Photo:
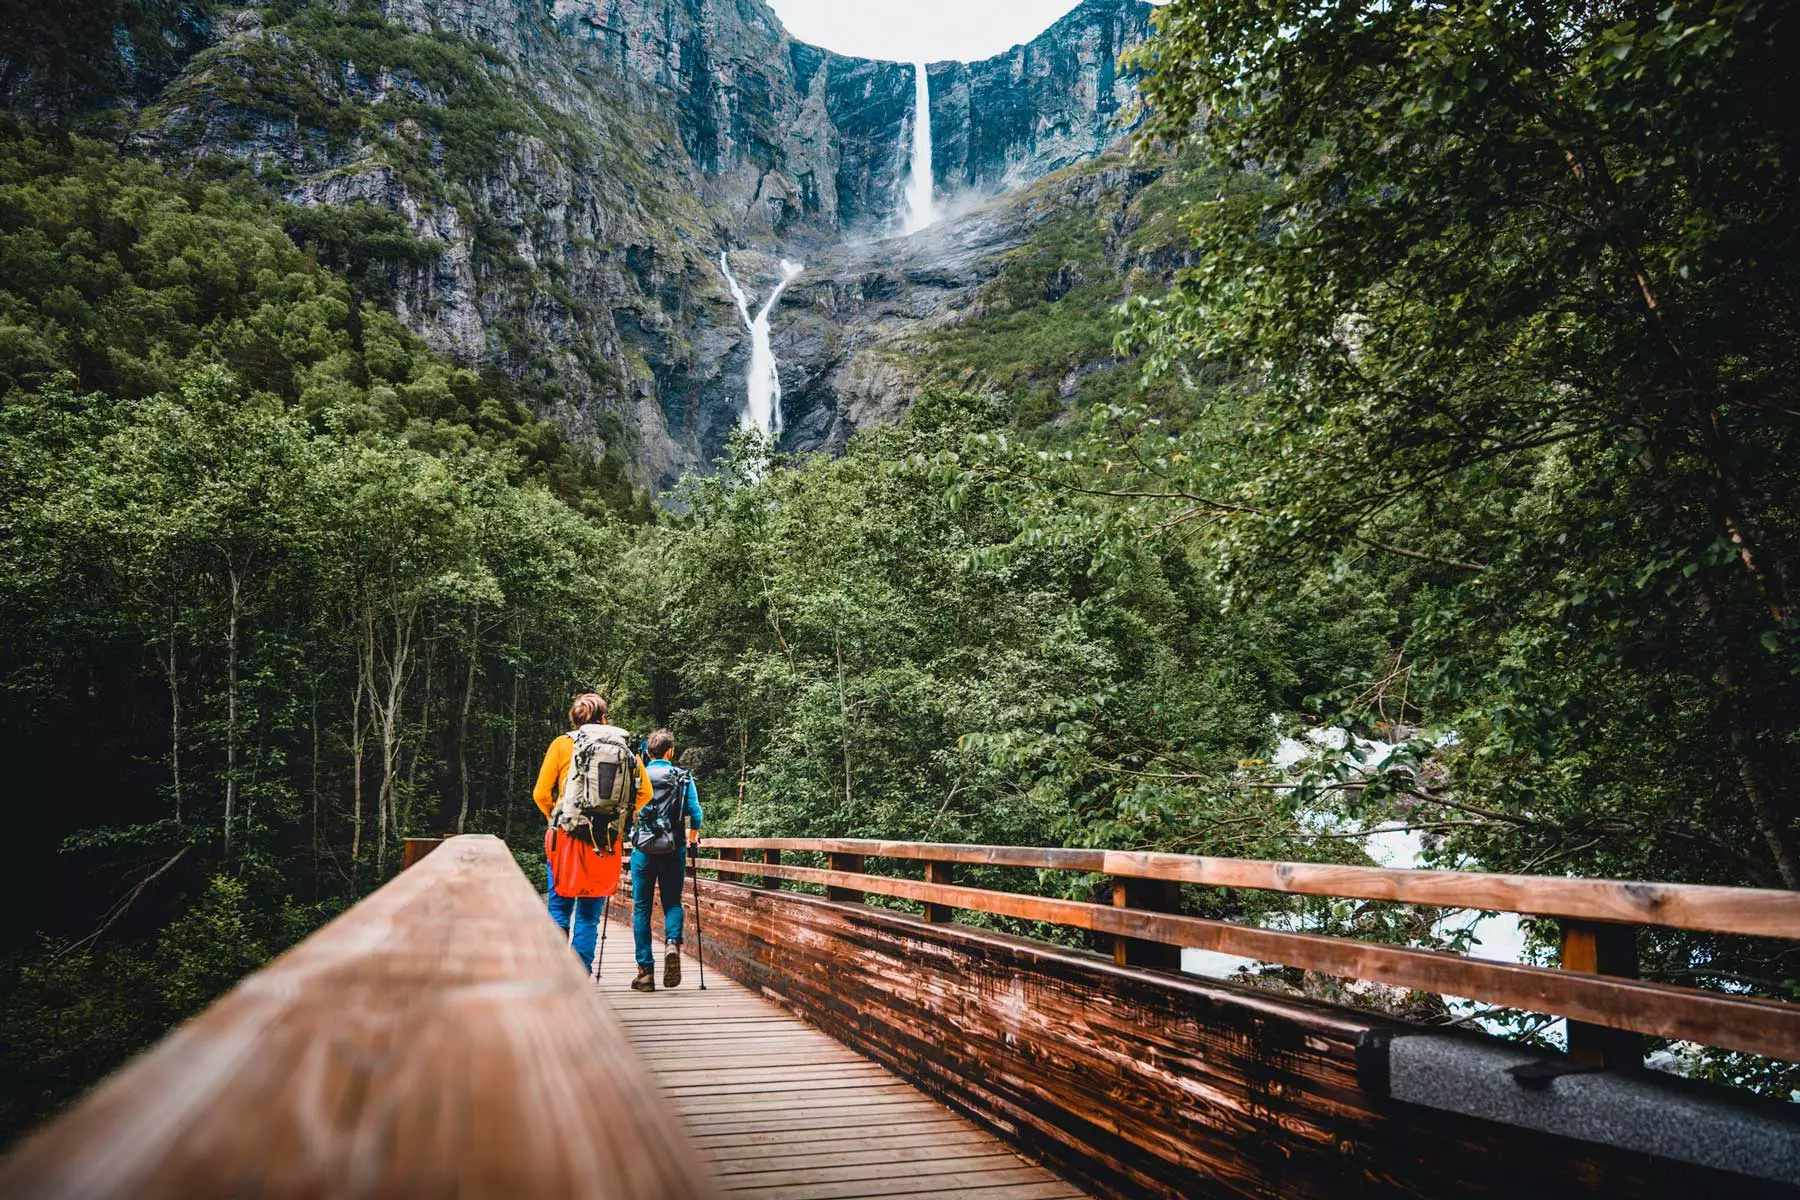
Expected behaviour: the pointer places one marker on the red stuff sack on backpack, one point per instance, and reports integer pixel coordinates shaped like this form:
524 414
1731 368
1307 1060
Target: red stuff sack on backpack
581 872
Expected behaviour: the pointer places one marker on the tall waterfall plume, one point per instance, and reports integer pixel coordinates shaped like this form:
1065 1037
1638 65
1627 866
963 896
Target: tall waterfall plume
921 186
762 385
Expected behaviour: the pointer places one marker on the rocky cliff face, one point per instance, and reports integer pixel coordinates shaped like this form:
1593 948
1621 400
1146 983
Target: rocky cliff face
572 168
1055 101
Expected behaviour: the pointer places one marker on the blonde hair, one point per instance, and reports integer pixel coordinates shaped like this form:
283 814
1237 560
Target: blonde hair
587 709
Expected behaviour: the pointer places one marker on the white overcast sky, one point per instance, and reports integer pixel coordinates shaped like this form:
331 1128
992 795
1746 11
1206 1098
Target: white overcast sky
914 30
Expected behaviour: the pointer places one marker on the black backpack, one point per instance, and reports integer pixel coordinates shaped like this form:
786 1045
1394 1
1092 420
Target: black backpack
661 823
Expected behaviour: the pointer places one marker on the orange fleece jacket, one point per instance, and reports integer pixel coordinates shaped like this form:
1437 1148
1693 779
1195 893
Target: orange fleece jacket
556 769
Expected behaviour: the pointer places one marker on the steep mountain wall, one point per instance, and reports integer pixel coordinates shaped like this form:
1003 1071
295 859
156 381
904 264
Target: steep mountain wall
1055 101
570 170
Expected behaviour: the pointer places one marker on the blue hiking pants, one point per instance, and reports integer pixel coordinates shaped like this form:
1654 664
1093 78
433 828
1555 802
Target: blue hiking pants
586 913
649 872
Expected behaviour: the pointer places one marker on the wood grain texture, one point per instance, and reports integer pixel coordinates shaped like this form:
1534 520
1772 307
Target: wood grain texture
1757 912
793 1114
1756 1026
1133 1083
437 1040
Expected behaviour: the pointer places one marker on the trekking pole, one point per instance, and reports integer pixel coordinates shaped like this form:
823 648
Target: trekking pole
699 941
599 951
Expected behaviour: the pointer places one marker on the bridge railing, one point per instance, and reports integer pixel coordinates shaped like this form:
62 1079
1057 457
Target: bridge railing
438 1039
1608 1008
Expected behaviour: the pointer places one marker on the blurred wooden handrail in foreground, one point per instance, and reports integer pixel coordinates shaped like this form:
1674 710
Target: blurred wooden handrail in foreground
1595 989
437 1039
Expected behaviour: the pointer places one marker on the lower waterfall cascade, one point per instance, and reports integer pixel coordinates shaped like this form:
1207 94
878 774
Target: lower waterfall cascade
762 383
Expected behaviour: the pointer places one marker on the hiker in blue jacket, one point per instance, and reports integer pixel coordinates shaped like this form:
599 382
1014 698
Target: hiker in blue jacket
665 827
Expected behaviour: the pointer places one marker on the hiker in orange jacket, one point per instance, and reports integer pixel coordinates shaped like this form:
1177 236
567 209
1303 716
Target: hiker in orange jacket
588 709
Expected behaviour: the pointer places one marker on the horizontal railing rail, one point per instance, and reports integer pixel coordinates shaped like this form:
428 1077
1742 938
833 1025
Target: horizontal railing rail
1595 988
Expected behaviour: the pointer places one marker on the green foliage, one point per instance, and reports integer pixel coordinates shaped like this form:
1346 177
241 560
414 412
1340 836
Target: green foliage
1494 332
850 647
1041 332
134 278
283 587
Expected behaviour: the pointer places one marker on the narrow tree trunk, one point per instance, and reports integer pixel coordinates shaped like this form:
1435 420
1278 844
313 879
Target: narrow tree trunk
743 772
512 755
412 772
231 704
1771 821
388 708
462 728
169 668
837 642
314 747
364 683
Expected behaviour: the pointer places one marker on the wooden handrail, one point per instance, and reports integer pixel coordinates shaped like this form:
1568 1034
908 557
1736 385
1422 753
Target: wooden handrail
437 1039
1596 1002
1754 912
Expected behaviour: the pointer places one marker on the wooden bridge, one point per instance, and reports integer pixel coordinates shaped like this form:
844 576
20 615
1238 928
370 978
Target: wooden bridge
440 1039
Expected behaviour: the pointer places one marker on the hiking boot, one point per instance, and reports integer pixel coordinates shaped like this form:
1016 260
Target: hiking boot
645 981
672 969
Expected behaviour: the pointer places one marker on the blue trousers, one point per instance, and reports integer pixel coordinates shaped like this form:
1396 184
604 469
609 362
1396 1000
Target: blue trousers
649 872
586 914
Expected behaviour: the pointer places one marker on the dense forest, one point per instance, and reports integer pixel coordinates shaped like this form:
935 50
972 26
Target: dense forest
1466 431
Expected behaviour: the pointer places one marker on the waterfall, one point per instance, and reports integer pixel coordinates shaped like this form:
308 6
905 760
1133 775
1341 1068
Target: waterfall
762 386
921 186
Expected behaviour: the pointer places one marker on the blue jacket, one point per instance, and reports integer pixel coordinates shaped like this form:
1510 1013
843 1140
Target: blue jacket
658 769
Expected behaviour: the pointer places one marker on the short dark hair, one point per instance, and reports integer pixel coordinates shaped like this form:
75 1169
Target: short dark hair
660 743
587 709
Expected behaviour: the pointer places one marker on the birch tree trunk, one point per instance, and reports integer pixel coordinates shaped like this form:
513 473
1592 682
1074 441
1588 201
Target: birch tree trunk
462 729
837 642
169 669
231 702
364 667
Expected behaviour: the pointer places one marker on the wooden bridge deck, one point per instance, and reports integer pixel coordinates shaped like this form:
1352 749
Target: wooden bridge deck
784 1112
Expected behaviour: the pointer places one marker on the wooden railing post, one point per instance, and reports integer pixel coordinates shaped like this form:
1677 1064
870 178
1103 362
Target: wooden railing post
1156 895
1599 948
772 858
413 849
845 862
945 873
730 855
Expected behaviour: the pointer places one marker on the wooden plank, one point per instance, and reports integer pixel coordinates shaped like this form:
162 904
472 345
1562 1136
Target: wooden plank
894 1094
925 1131
1755 912
908 1183
872 1148
811 1171
1015 1191
1011 1191
706 1130
417 1045
785 1089
1755 1026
